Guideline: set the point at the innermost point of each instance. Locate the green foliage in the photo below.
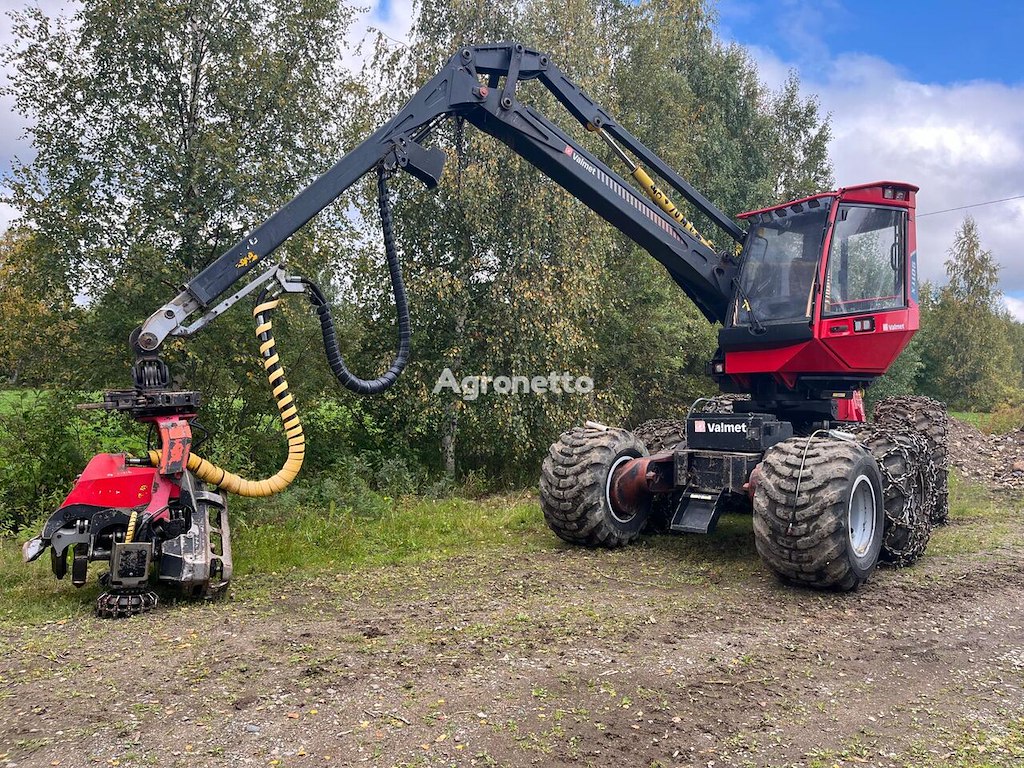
(44, 444)
(163, 131)
(901, 378)
(1004, 419)
(532, 282)
(37, 314)
(166, 130)
(968, 357)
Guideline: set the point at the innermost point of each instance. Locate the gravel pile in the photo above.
(996, 461)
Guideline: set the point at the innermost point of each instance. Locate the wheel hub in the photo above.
(862, 516)
(621, 490)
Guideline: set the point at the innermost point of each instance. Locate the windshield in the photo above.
(779, 265)
(866, 263)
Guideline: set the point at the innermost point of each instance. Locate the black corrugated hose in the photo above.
(348, 379)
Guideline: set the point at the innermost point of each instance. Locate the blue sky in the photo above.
(930, 42)
(927, 92)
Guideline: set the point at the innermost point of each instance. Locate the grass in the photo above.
(296, 538)
(285, 537)
(974, 745)
(293, 536)
(980, 521)
(979, 420)
(1001, 421)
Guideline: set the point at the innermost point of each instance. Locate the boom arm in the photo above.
(459, 90)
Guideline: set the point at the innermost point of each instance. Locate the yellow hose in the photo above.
(232, 483)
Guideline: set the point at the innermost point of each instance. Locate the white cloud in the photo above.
(962, 143)
(1015, 306)
(393, 19)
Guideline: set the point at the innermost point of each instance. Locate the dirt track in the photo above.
(661, 654)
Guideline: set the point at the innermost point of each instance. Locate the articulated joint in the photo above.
(634, 483)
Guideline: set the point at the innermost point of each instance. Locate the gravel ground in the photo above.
(668, 653)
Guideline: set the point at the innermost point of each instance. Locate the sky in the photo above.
(925, 91)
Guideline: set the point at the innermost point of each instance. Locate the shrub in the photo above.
(44, 444)
(1005, 418)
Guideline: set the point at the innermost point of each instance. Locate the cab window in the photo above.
(779, 267)
(866, 264)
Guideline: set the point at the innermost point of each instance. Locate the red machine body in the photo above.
(109, 481)
(827, 296)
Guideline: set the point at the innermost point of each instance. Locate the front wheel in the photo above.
(819, 517)
(575, 487)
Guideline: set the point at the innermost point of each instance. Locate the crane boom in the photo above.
(479, 84)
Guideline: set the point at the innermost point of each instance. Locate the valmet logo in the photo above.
(700, 425)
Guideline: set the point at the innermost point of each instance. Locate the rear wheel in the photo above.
(575, 485)
(901, 457)
(662, 434)
(818, 512)
(928, 418)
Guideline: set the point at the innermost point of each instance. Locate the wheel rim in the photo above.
(862, 516)
(608, 490)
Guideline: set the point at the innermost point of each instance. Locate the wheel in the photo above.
(928, 418)
(902, 458)
(574, 487)
(818, 512)
(662, 434)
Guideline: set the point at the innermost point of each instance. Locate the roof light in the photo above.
(887, 193)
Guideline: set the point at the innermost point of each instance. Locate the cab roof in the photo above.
(871, 192)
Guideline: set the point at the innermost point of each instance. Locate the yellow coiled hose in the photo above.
(230, 482)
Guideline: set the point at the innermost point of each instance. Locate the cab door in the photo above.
(864, 316)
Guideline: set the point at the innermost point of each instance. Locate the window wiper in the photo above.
(754, 326)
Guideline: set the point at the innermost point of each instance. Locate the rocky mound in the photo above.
(996, 461)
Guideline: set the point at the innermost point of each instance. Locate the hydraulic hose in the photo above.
(348, 379)
(230, 482)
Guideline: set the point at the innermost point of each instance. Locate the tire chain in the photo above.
(915, 455)
(928, 418)
(661, 434)
(717, 404)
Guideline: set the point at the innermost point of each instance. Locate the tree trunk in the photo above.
(450, 423)
(449, 430)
